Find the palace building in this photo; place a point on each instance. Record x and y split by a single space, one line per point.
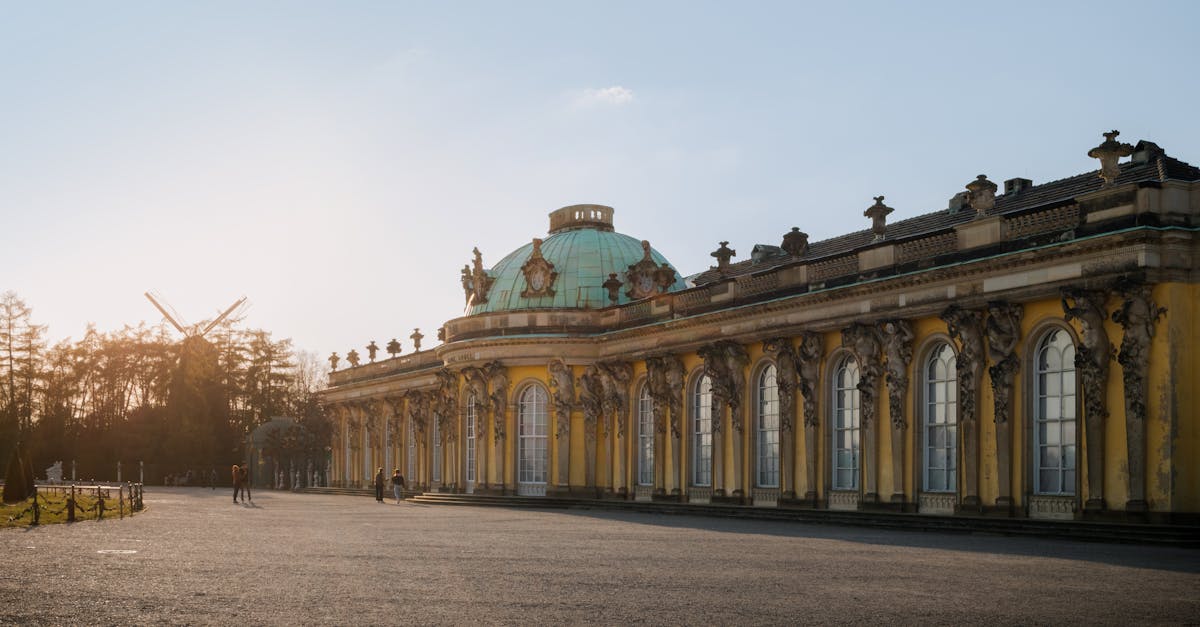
1029 351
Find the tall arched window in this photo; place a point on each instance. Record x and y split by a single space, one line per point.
701 414
470 437
411 466
845 426
1054 415
645 438
767 430
436 471
532 430
939 414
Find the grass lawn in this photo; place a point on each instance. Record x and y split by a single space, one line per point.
53 508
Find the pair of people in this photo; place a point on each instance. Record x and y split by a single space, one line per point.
397 484
241 481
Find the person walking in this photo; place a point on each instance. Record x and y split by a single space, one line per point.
237 482
397 485
212 479
245 475
379 484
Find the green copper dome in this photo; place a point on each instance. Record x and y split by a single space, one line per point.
580 253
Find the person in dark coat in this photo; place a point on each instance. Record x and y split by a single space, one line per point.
245 475
237 482
397 485
379 484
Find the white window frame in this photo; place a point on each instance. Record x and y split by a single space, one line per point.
1055 416
701 432
939 421
436 471
645 438
411 461
846 423
533 436
470 437
766 452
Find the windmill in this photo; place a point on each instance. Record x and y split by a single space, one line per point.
176 320
197 406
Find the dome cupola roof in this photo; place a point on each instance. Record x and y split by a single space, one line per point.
582 264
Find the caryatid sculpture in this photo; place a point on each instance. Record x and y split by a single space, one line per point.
786 376
966 326
1092 359
562 400
1138 316
897 348
809 375
864 342
1003 331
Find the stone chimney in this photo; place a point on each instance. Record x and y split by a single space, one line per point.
1016 186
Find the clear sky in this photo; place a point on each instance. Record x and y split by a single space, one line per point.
337 161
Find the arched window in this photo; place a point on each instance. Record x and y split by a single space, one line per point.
767 430
436 471
939 413
411 466
702 432
1054 415
532 436
470 437
645 438
845 426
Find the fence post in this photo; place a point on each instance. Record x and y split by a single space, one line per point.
71 505
99 504
36 509
121 501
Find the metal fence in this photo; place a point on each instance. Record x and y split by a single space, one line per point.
127 500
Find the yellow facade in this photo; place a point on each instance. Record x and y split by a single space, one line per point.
1045 295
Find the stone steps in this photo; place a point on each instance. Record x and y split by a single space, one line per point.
1187 536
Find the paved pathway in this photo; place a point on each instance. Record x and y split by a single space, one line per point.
196 558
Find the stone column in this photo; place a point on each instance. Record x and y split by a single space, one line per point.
809 378
897 347
966 326
1003 335
1137 316
864 341
1091 360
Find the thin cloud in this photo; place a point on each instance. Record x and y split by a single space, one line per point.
615 96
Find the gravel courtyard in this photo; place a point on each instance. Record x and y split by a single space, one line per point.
196 558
